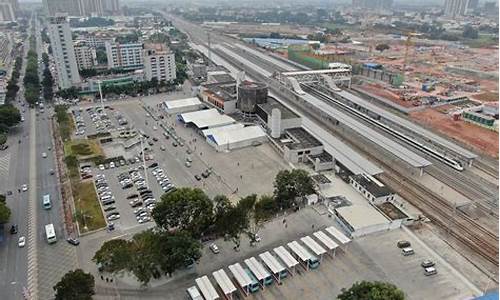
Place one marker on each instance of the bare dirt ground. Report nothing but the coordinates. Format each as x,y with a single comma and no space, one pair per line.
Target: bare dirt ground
484,140
379,91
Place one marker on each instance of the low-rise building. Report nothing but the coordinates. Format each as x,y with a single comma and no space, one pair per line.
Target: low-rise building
371,188
220,96
91,85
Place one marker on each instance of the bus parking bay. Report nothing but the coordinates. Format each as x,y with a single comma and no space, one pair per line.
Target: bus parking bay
372,257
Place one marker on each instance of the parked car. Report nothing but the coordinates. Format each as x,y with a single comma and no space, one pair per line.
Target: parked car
13,229
72,241
404,244
197,177
214,248
430,271
427,263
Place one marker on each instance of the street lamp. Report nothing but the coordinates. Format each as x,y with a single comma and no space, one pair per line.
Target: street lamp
144,161
100,94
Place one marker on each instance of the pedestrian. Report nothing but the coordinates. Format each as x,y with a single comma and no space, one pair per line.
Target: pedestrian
107,279
241,177
312,226
102,277
238,164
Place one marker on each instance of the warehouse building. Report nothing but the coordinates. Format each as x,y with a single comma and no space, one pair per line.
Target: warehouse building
182,105
360,220
234,136
205,119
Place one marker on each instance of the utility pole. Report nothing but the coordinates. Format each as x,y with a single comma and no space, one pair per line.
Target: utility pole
144,162
209,48
100,94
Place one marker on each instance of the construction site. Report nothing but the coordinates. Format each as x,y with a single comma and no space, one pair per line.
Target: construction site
450,88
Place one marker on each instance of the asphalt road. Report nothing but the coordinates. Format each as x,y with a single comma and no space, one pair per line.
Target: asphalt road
42,263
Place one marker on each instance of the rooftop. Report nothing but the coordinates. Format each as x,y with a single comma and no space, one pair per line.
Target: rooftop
302,139
182,103
375,187
233,133
206,118
359,216
272,104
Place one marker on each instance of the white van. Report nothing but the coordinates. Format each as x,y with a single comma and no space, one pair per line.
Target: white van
407,251
430,271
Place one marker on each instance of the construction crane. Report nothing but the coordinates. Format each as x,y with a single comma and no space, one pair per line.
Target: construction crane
408,43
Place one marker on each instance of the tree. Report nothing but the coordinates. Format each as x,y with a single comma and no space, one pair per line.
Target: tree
75,285
101,57
114,255
372,291
4,213
382,47
149,253
184,209
9,115
289,185
470,32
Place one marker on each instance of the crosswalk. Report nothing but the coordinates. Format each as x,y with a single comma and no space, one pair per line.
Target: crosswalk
4,165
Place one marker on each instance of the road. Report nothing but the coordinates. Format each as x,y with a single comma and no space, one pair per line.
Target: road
24,164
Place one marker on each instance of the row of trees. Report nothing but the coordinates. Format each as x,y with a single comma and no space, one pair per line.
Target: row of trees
48,81
9,116
12,86
31,80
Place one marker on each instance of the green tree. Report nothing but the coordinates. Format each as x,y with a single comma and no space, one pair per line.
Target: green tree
376,290
114,255
101,57
75,285
4,213
9,115
382,47
265,208
470,32
184,209
177,250
290,185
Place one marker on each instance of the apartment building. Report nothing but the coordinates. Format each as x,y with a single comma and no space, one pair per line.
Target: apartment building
125,56
159,62
63,51
85,55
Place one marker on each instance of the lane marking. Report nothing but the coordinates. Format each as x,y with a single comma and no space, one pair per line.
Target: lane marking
32,224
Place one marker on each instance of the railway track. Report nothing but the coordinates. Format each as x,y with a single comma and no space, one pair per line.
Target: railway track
486,168
464,229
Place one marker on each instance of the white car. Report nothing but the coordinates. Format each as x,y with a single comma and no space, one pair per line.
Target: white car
22,242
101,167
44,155
214,248
24,188
111,165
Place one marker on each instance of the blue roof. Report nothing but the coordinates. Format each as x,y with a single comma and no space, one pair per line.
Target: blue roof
489,296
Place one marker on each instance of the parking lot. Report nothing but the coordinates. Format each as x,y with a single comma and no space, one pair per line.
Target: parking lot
237,173
373,257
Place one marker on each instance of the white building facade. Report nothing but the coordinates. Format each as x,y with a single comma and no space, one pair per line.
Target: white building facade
126,56
63,52
159,62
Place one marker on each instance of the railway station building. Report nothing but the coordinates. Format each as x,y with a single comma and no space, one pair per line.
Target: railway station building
371,188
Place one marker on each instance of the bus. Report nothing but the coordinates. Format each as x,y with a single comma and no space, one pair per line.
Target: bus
46,202
50,232
254,286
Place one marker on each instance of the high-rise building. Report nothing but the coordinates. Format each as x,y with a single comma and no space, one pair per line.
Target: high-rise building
373,4
454,8
82,7
111,7
8,9
159,62
63,51
85,56
126,56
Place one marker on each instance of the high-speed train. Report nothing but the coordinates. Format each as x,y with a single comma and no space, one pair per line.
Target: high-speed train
435,154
